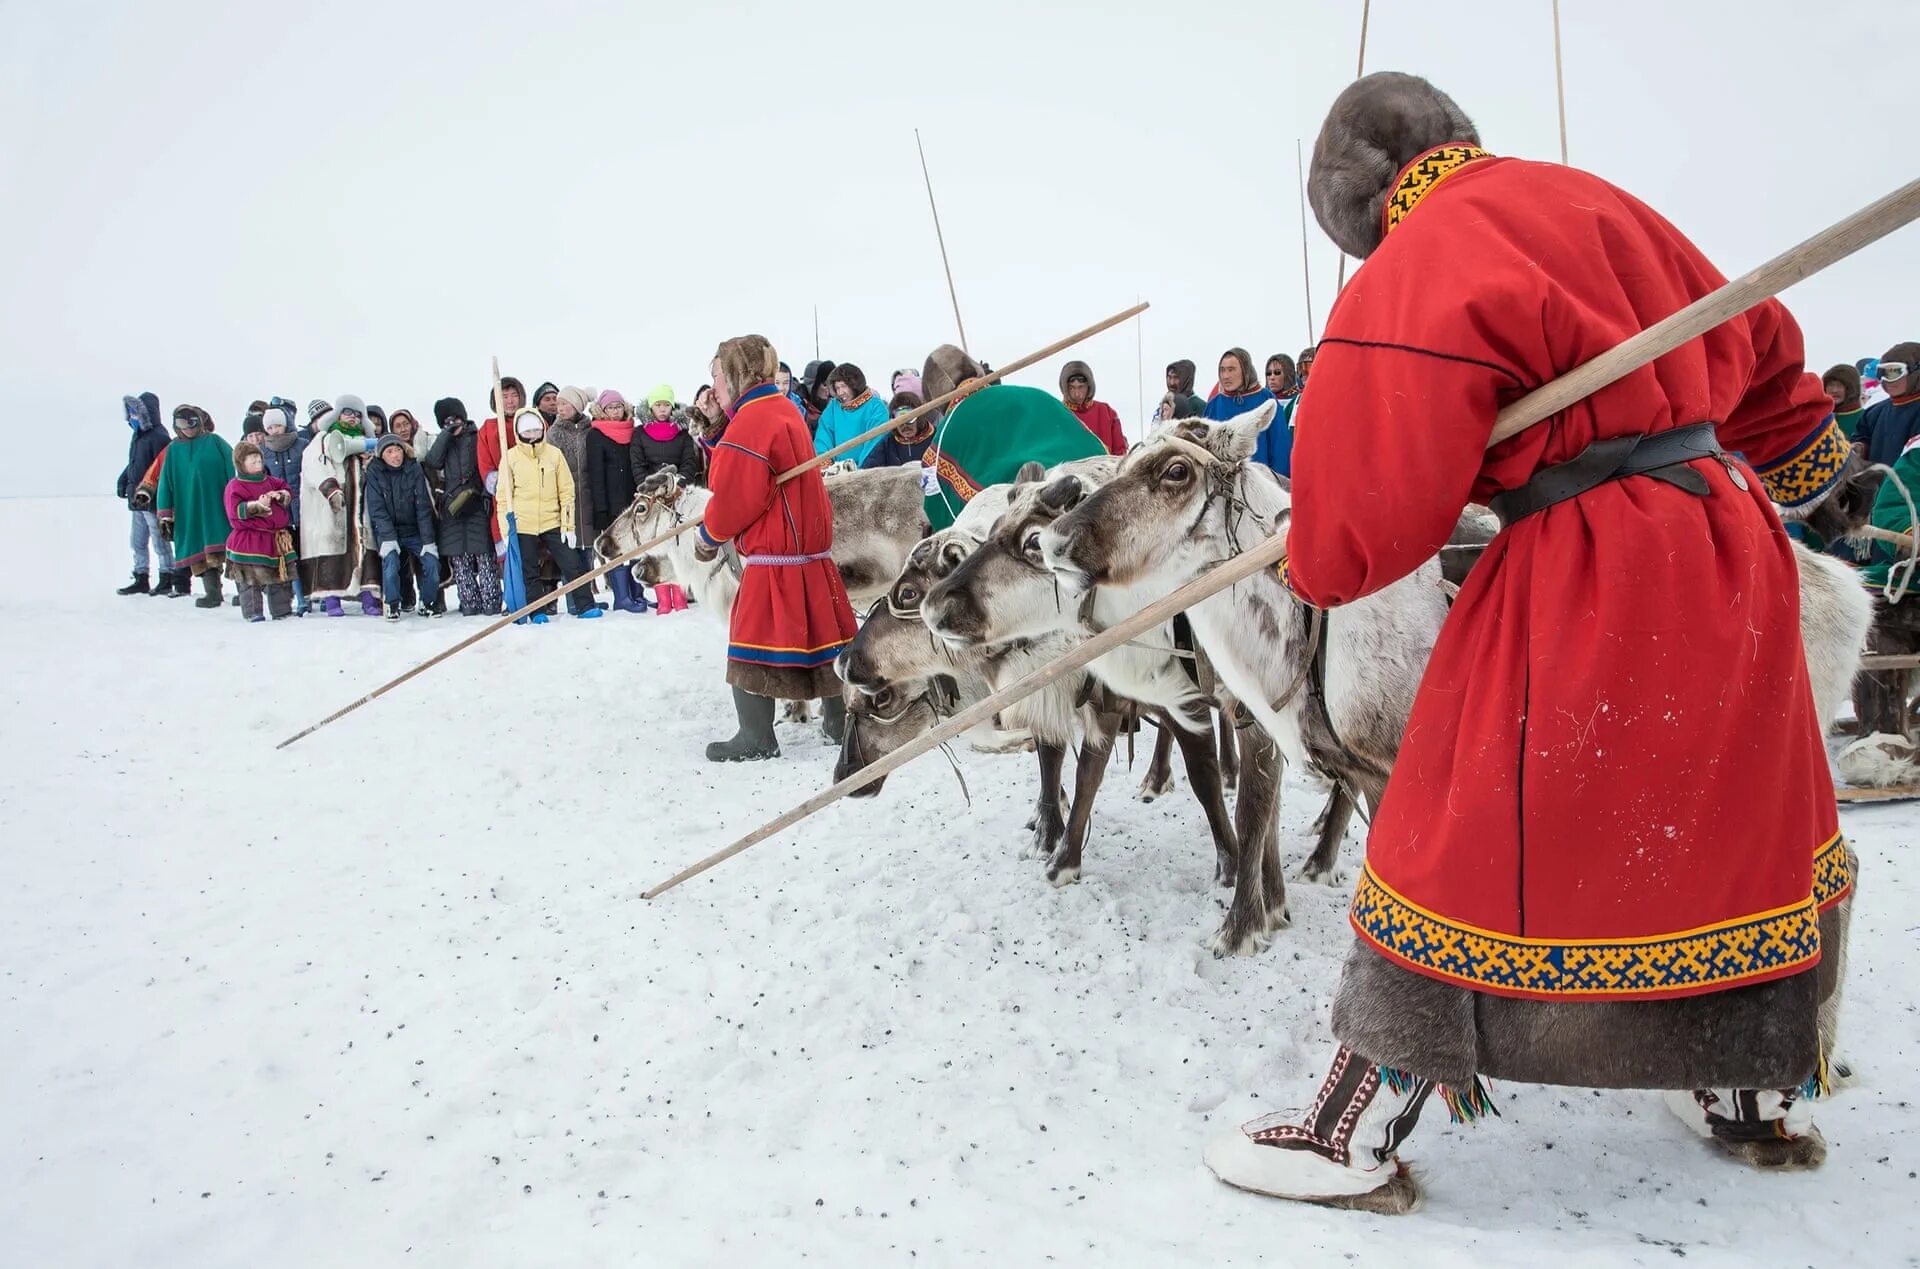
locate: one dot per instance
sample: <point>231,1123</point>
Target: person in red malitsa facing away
<point>792,616</point>
<point>1608,855</point>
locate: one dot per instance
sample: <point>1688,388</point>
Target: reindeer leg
<point>1229,751</point>
<point>1253,915</point>
<point>1330,829</point>
<point>1048,821</point>
<point>1159,781</point>
<point>1202,761</point>
<point>1096,750</point>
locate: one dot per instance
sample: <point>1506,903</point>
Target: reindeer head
<point>1184,499</point>
<point>1004,590</point>
<point>879,723</point>
<point>893,646</point>
<point>659,503</point>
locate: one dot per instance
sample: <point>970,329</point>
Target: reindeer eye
<point>909,594</point>
<point>883,698</point>
<point>1032,544</point>
<point>1175,471</point>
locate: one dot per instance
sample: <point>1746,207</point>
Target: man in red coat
<point>1609,854</point>
<point>792,616</point>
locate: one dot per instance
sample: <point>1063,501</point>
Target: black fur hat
<point>851,375</point>
<point>448,408</point>
<point>1377,126</point>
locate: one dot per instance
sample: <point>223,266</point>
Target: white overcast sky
<point>224,201</point>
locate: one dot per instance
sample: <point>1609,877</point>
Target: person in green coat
<point>191,499</point>
<point>985,438</point>
<point>1880,699</point>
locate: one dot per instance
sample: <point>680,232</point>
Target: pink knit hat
<point>611,397</point>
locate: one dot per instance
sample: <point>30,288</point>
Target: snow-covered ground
<point>391,996</point>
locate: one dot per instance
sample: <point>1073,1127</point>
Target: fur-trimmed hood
<point>1081,368</point>
<point>138,415</point>
<point>1376,127</point>
<point>1184,372</point>
<point>947,367</point>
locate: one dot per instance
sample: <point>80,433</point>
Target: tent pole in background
<point>942,239</point>
<point>1306,270</point>
<point>816,332</point>
<point>1139,372</point>
<point>1559,82</point>
<point>1359,71</point>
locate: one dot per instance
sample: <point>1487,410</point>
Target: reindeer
<point>900,680</point>
<point>1003,594</point>
<point>877,517</point>
<point>1334,690</point>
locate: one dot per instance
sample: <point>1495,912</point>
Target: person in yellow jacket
<point>536,486</point>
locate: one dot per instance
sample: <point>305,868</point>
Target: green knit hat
<point>662,393</point>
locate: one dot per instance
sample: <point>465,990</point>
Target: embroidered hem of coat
<point>1749,949</point>
<point>802,658</point>
<point>1807,473</point>
<point>955,475</point>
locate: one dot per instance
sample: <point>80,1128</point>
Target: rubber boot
<point>138,586</point>
<point>182,582</point>
<point>833,718</point>
<point>754,741</point>
<point>210,588</point>
<point>623,587</point>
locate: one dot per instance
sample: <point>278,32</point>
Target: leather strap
<point>1663,456</point>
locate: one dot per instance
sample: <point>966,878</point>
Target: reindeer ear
<point>1236,439</point>
<point>1062,495</point>
<point>1030,471</point>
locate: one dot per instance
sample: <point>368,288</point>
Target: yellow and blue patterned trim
<point>1712,958</point>
<point>1832,873</point>
<point>1422,175</point>
<point>1809,472</point>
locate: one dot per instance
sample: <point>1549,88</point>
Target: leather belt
<point>1661,455</point>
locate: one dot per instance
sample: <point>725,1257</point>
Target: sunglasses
<point>1892,370</point>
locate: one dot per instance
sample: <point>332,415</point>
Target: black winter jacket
<point>649,456</point>
<point>284,464</point>
<point>455,454</point>
<point>610,477</point>
<point>399,504</point>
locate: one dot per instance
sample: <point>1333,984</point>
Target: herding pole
<point>942,239</point>
<point>1559,82</point>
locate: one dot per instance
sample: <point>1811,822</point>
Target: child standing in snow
<point>260,552</point>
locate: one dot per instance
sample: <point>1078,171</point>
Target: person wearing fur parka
<point>568,433</point>
<point>337,561</point>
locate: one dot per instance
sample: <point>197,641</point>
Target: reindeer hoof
<point>1279,919</point>
<point>1227,941</point>
<point>1151,788</point>
<point>1328,876</point>
<point>1789,1154</point>
<point>1063,876</point>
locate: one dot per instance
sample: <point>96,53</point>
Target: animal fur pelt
<point>1880,761</point>
<point>1380,124</point>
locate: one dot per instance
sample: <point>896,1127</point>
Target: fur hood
<point>341,405</point>
<point>137,413</point>
<point>947,366</point>
<point>1376,127</point>
<point>1073,368</point>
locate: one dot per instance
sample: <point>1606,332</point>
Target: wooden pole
<point>1139,372</point>
<point>1359,70</point>
<point>1306,270</point>
<point>819,460</point>
<point>1736,297</point>
<point>816,332</point>
<point>942,239</point>
<point>1559,81</point>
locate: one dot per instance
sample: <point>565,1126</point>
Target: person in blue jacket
<point>853,410</point>
<point>1241,391</point>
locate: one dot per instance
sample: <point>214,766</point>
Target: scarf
<point>658,431</point>
<point>348,429</point>
<point>619,431</point>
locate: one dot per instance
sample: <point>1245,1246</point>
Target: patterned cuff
<point>708,538</point>
<point>1284,571</point>
<point>1801,481</point>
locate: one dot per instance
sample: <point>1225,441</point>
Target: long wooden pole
<point>1306,269</point>
<point>1823,249</point>
<point>942,239</point>
<point>1559,81</point>
<point>819,460</point>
